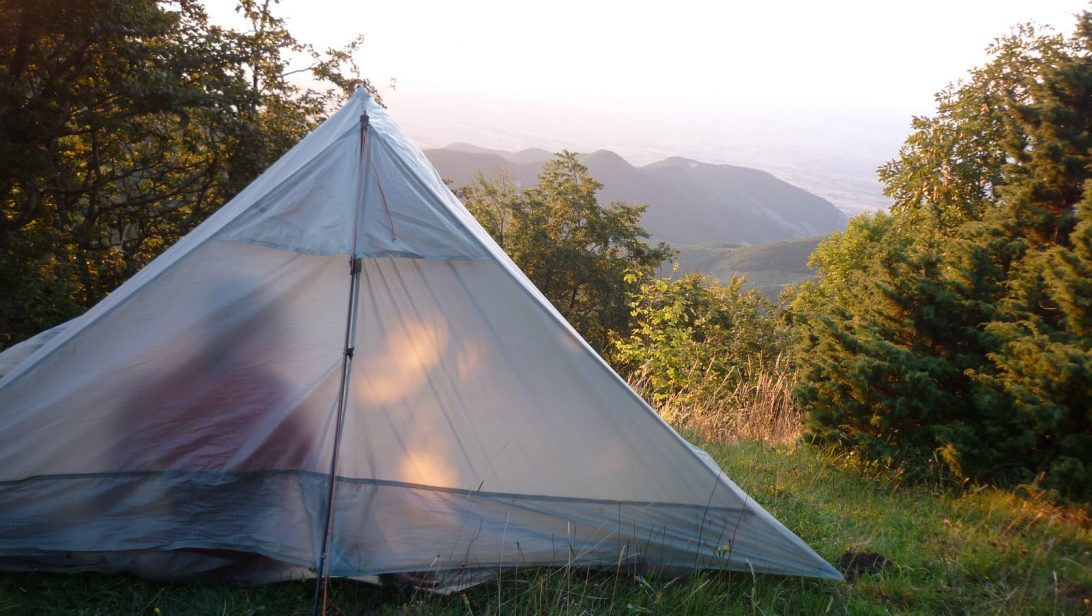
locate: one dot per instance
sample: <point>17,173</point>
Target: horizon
<point>781,87</point>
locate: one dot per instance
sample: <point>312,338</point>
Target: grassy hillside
<point>950,551</point>
<point>768,267</point>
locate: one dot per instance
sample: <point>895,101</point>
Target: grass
<point>954,551</point>
<point>723,408</point>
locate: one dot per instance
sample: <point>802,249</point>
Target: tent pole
<point>322,577</point>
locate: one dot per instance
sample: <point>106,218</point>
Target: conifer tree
<point>961,334</point>
<point>1044,365</point>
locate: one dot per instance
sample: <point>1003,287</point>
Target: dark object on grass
<point>853,564</point>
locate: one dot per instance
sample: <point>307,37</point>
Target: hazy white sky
<point>747,81</point>
<point>874,53</point>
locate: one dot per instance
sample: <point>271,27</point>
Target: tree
<point>955,330</point>
<point>694,339</point>
<point>584,257</point>
<point>1044,364</point>
<point>123,124</point>
<point>948,170</point>
<point>888,337</point>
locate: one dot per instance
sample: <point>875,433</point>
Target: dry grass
<point>729,408</point>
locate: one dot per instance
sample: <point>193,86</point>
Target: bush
<point>709,356</point>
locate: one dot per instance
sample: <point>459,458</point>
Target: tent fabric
<point>14,355</point>
<point>184,426</point>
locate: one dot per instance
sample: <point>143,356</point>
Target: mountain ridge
<point>689,202</point>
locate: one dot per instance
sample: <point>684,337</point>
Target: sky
<point>817,92</point>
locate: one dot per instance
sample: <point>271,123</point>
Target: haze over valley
<point>723,220</point>
<point>833,154</point>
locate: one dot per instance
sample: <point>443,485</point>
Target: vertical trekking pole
<point>322,578</point>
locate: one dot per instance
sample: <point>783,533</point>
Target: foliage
<point>586,258</point>
<point>123,124</point>
<point>709,357</point>
<point>1044,320</point>
<point>692,328</point>
<point>885,354</point>
<point>955,332</point>
<point>842,260</point>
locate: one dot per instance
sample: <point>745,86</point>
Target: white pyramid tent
<point>188,423</point>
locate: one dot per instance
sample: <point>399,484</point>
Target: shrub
<point>709,356</point>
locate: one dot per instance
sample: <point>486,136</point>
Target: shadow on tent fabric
<point>213,420</point>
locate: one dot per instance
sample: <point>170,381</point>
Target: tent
<point>340,371</point>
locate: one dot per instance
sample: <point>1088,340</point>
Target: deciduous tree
<point>123,124</point>
<point>585,257</point>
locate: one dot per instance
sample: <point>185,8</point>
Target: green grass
<point>954,551</point>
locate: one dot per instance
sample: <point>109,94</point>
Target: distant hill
<point>528,156</point>
<point>689,202</point>
<point>767,267</point>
